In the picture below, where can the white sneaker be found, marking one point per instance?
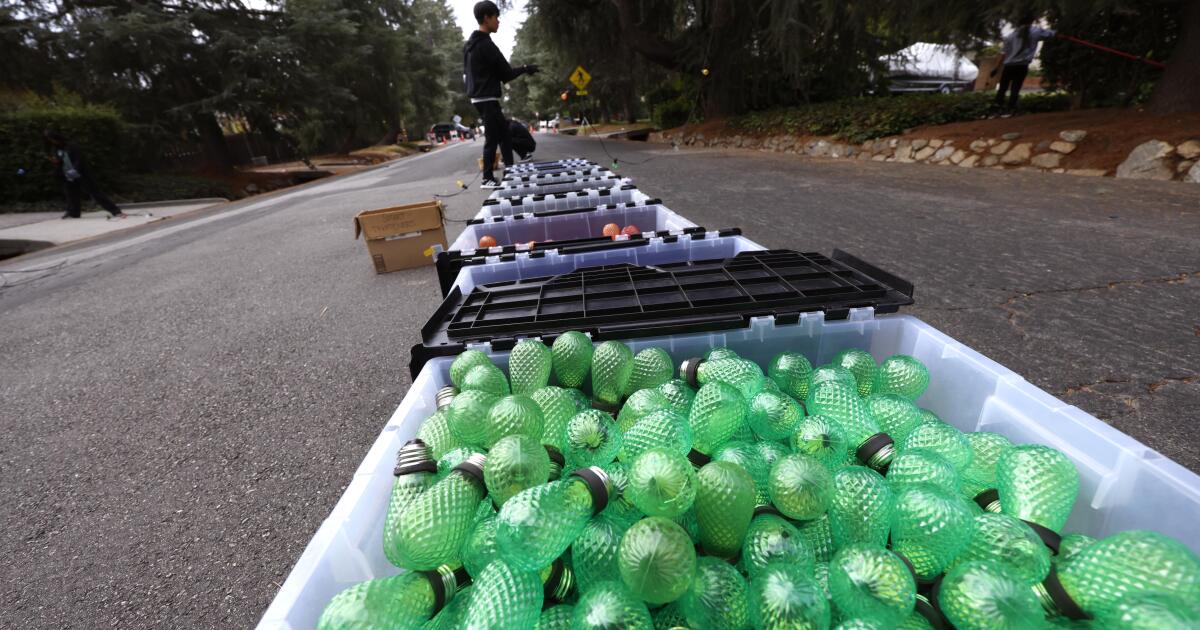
(521, 159)
(489, 183)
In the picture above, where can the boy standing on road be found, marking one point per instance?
(485, 69)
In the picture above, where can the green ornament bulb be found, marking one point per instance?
(480, 549)
(402, 601)
(661, 483)
(861, 509)
(930, 527)
(784, 596)
(773, 541)
(486, 378)
(594, 552)
(897, 416)
(537, 525)
(515, 463)
(663, 429)
(823, 439)
(1010, 543)
(1142, 611)
(505, 596)
(651, 367)
(717, 598)
(873, 583)
(717, 412)
(657, 560)
(432, 529)
(640, 404)
(980, 474)
(861, 364)
(773, 416)
(921, 467)
(513, 415)
(435, 433)
(415, 472)
(981, 595)
(901, 374)
(463, 364)
(610, 606)
(593, 439)
(790, 371)
(942, 439)
(724, 507)
(571, 358)
(751, 460)
(1037, 484)
(612, 366)
(529, 366)
(558, 407)
(556, 618)
(840, 402)
(467, 416)
(800, 487)
(743, 375)
(679, 395)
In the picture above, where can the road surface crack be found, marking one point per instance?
(1008, 305)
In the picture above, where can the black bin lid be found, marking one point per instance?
(625, 301)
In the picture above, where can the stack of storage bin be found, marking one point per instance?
(735, 294)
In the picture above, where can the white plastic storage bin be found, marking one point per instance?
(567, 185)
(549, 166)
(555, 176)
(653, 251)
(1124, 484)
(577, 200)
(567, 226)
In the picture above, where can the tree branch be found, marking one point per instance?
(650, 46)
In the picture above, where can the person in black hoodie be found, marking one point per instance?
(485, 69)
(72, 171)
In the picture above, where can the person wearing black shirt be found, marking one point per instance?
(73, 172)
(485, 69)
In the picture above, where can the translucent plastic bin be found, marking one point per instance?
(654, 251)
(550, 166)
(568, 185)
(567, 225)
(1124, 484)
(554, 176)
(561, 201)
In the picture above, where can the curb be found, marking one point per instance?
(175, 202)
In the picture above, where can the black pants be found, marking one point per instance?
(85, 186)
(1011, 79)
(495, 133)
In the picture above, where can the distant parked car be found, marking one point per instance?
(929, 68)
(443, 132)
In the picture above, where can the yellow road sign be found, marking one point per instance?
(580, 78)
(581, 92)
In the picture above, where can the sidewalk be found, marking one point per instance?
(46, 229)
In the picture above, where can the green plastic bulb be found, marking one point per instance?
(661, 483)
(556, 618)
(773, 541)
(742, 433)
(663, 429)
(773, 416)
(480, 549)
(921, 467)
(513, 415)
(818, 533)
(1038, 484)
(505, 596)
(593, 439)
(467, 416)
(651, 367)
(716, 354)
(432, 529)
(670, 617)
(930, 527)
(872, 583)
(558, 407)
(861, 510)
(679, 395)
(862, 365)
(980, 475)
(415, 472)
(640, 404)
(897, 416)
(612, 366)
(657, 560)
(717, 597)
(821, 574)
(402, 601)
(529, 366)
(463, 364)
(610, 606)
(581, 399)
(537, 525)
(620, 507)
(840, 402)
(981, 595)
(486, 378)
(942, 439)
(826, 373)
(435, 433)
(772, 451)
(1129, 562)
(784, 596)
(791, 371)
(902, 374)
(724, 506)
(1009, 542)
(1146, 611)
(1070, 545)
(594, 553)
(716, 413)
(916, 621)
(801, 487)
(751, 460)
(515, 463)
(690, 525)
(455, 457)
(571, 358)
(454, 615)
(743, 375)
(823, 439)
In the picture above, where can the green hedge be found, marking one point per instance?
(25, 172)
(859, 119)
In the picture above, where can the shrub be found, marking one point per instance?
(672, 113)
(26, 173)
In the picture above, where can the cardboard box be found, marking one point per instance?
(398, 237)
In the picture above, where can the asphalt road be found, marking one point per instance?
(184, 403)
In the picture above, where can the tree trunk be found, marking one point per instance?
(212, 139)
(1178, 90)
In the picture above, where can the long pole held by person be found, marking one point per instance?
(484, 70)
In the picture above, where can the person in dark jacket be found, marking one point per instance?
(484, 70)
(522, 141)
(73, 172)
